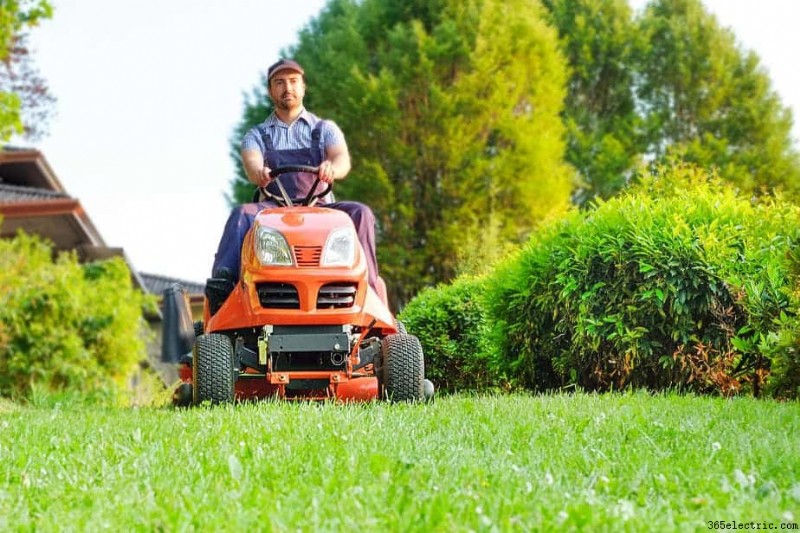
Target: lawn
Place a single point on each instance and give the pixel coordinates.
(510, 463)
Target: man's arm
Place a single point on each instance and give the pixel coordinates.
(257, 172)
(337, 163)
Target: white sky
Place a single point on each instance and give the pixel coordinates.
(149, 92)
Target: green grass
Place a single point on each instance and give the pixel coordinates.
(510, 463)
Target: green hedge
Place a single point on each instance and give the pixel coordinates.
(677, 284)
(783, 344)
(451, 324)
(66, 326)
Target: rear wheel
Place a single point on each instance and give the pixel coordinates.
(213, 369)
(403, 368)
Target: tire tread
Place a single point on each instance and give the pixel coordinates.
(403, 368)
(213, 369)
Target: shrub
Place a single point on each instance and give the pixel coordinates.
(66, 326)
(784, 350)
(677, 284)
(450, 322)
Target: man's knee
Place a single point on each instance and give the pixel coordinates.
(364, 215)
(240, 219)
(360, 213)
(248, 210)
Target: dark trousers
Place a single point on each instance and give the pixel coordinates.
(229, 252)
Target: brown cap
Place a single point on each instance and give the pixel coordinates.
(283, 64)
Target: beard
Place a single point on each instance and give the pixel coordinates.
(287, 104)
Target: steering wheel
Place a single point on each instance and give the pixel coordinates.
(284, 201)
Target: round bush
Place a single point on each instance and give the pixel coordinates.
(677, 284)
(66, 326)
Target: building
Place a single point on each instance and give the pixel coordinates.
(33, 199)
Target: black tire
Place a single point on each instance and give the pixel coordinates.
(400, 327)
(198, 328)
(213, 369)
(403, 368)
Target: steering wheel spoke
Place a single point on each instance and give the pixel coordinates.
(311, 198)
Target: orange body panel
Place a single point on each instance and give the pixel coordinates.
(302, 227)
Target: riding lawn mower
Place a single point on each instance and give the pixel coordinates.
(301, 322)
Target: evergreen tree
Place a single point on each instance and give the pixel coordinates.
(668, 83)
(709, 102)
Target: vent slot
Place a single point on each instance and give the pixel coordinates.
(336, 296)
(278, 296)
(307, 256)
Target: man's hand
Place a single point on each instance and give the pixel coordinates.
(326, 172)
(264, 178)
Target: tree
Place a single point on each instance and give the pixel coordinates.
(711, 103)
(605, 142)
(669, 83)
(24, 99)
(451, 110)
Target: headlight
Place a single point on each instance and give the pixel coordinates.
(271, 247)
(340, 250)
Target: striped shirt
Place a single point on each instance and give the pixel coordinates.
(293, 136)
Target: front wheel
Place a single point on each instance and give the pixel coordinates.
(403, 368)
(213, 369)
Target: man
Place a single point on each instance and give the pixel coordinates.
(289, 136)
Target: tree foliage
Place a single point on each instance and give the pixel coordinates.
(66, 326)
(24, 98)
(449, 108)
(669, 82)
(712, 103)
(601, 43)
(451, 111)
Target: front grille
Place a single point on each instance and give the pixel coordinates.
(336, 296)
(307, 256)
(278, 296)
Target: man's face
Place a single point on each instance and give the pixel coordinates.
(287, 90)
